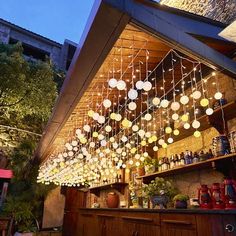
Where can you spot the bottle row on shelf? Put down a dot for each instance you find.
(113, 179)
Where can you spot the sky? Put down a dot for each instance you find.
(54, 19)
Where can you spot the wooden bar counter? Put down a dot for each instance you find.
(150, 222)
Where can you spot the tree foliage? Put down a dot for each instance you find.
(27, 89)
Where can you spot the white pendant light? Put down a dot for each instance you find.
(101, 119)
(155, 148)
(132, 106)
(161, 141)
(103, 143)
(106, 103)
(141, 133)
(156, 101)
(164, 103)
(121, 85)
(139, 84)
(118, 117)
(186, 125)
(148, 117)
(108, 128)
(209, 111)
(218, 95)
(196, 124)
(170, 140)
(147, 86)
(86, 128)
(95, 116)
(175, 106)
(184, 99)
(196, 94)
(90, 113)
(78, 131)
(132, 94)
(124, 139)
(175, 116)
(112, 82)
(135, 128)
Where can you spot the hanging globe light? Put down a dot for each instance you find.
(135, 128)
(106, 103)
(121, 85)
(175, 116)
(156, 101)
(87, 128)
(139, 84)
(115, 145)
(92, 144)
(132, 94)
(186, 125)
(196, 124)
(78, 131)
(164, 145)
(113, 116)
(155, 148)
(196, 94)
(126, 123)
(108, 128)
(154, 138)
(197, 134)
(148, 134)
(148, 117)
(218, 95)
(150, 140)
(143, 143)
(141, 133)
(175, 106)
(95, 134)
(164, 103)
(101, 119)
(204, 102)
(95, 116)
(112, 82)
(161, 141)
(90, 113)
(74, 143)
(133, 150)
(184, 99)
(112, 139)
(137, 156)
(124, 139)
(132, 106)
(209, 111)
(176, 132)
(147, 86)
(101, 137)
(168, 130)
(118, 117)
(185, 117)
(170, 140)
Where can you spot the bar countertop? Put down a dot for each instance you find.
(170, 210)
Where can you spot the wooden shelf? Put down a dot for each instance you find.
(186, 168)
(118, 186)
(215, 120)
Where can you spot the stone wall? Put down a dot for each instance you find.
(220, 10)
(54, 209)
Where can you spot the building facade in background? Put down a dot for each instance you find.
(36, 46)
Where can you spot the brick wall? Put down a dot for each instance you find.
(220, 10)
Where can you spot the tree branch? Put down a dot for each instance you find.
(15, 103)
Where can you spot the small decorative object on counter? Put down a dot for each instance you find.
(221, 145)
(134, 194)
(181, 201)
(193, 202)
(123, 204)
(95, 203)
(232, 141)
(230, 193)
(112, 200)
(159, 191)
(204, 197)
(217, 196)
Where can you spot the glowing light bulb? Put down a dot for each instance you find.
(121, 85)
(112, 82)
(147, 86)
(108, 128)
(175, 106)
(95, 134)
(139, 84)
(204, 102)
(168, 130)
(184, 99)
(196, 124)
(156, 101)
(148, 117)
(209, 111)
(106, 103)
(135, 128)
(186, 125)
(175, 116)
(132, 106)
(196, 94)
(170, 140)
(176, 132)
(164, 145)
(90, 113)
(164, 103)
(197, 134)
(184, 117)
(218, 95)
(161, 141)
(155, 148)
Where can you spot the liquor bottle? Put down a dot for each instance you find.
(172, 161)
(160, 164)
(186, 157)
(190, 157)
(167, 163)
(177, 160)
(164, 164)
(182, 160)
(195, 157)
(119, 179)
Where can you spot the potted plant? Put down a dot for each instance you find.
(134, 190)
(159, 191)
(181, 201)
(150, 165)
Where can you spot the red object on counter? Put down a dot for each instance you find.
(204, 197)
(112, 200)
(217, 196)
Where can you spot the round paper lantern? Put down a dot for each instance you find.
(196, 124)
(154, 138)
(132, 106)
(156, 101)
(90, 113)
(83, 140)
(139, 84)
(115, 145)
(112, 82)
(95, 134)
(119, 150)
(145, 154)
(175, 116)
(168, 130)
(87, 128)
(106, 103)
(155, 148)
(170, 140)
(74, 143)
(218, 95)
(124, 139)
(143, 143)
(150, 140)
(95, 116)
(175, 106)
(112, 139)
(137, 156)
(209, 111)
(186, 125)
(132, 94)
(176, 132)
(164, 145)
(137, 163)
(141, 132)
(147, 86)
(135, 128)
(197, 134)
(184, 117)
(161, 141)
(121, 85)
(108, 128)
(101, 119)
(92, 144)
(204, 102)
(148, 134)
(125, 123)
(164, 103)
(118, 117)
(131, 162)
(133, 150)
(196, 94)
(113, 116)
(148, 117)
(101, 137)
(184, 99)
(78, 131)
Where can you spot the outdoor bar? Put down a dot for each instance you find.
(142, 139)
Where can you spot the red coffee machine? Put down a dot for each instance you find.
(217, 196)
(204, 197)
(230, 194)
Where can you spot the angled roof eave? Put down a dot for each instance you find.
(175, 29)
